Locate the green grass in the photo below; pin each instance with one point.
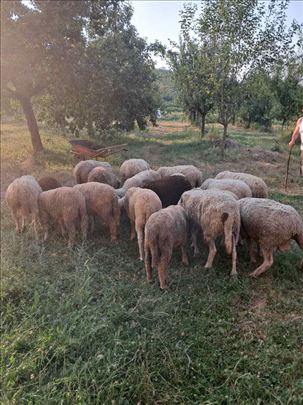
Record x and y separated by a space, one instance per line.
82 326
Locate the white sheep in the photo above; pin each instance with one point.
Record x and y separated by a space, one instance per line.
83 168
217 213
102 201
257 185
270 224
138 180
192 173
22 199
140 204
103 175
66 206
165 230
131 167
237 187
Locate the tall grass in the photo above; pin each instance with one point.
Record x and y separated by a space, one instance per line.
81 325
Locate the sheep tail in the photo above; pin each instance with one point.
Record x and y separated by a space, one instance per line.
228 223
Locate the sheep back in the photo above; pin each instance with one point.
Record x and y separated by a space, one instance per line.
169 188
131 167
139 180
83 168
192 173
270 223
238 187
49 183
103 175
257 185
22 195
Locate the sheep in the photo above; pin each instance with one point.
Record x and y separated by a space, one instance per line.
237 187
103 175
102 201
217 213
139 205
169 189
270 224
138 180
164 230
48 183
22 199
66 206
131 167
192 174
82 169
258 187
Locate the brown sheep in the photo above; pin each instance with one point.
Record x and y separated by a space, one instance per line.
270 224
139 204
164 230
102 202
49 183
217 213
66 206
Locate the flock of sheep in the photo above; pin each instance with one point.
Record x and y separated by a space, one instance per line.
167 208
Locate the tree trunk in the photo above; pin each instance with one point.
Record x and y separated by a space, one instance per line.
203 116
224 140
31 123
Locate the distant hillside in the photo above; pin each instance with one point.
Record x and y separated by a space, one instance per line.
167 91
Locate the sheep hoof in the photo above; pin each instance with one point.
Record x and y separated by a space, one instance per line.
207 266
253 274
141 259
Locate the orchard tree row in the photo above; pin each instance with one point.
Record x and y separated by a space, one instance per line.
238 58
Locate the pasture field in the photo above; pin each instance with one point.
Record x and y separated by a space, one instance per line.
81 325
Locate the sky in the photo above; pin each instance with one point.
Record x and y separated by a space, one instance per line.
159 20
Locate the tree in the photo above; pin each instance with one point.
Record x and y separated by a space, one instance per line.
39 45
238 36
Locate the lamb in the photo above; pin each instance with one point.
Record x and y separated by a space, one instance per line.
22 199
131 167
237 187
217 213
66 206
83 168
192 174
270 224
139 180
164 230
258 187
102 201
139 205
169 189
103 175
49 183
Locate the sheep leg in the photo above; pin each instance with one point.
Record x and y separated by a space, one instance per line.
36 223
71 233
132 230
147 262
184 255
16 220
22 224
268 261
211 254
162 270
140 235
112 229
234 258
251 251
195 244
46 233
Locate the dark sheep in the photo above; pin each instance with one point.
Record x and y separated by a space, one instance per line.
49 183
169 189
